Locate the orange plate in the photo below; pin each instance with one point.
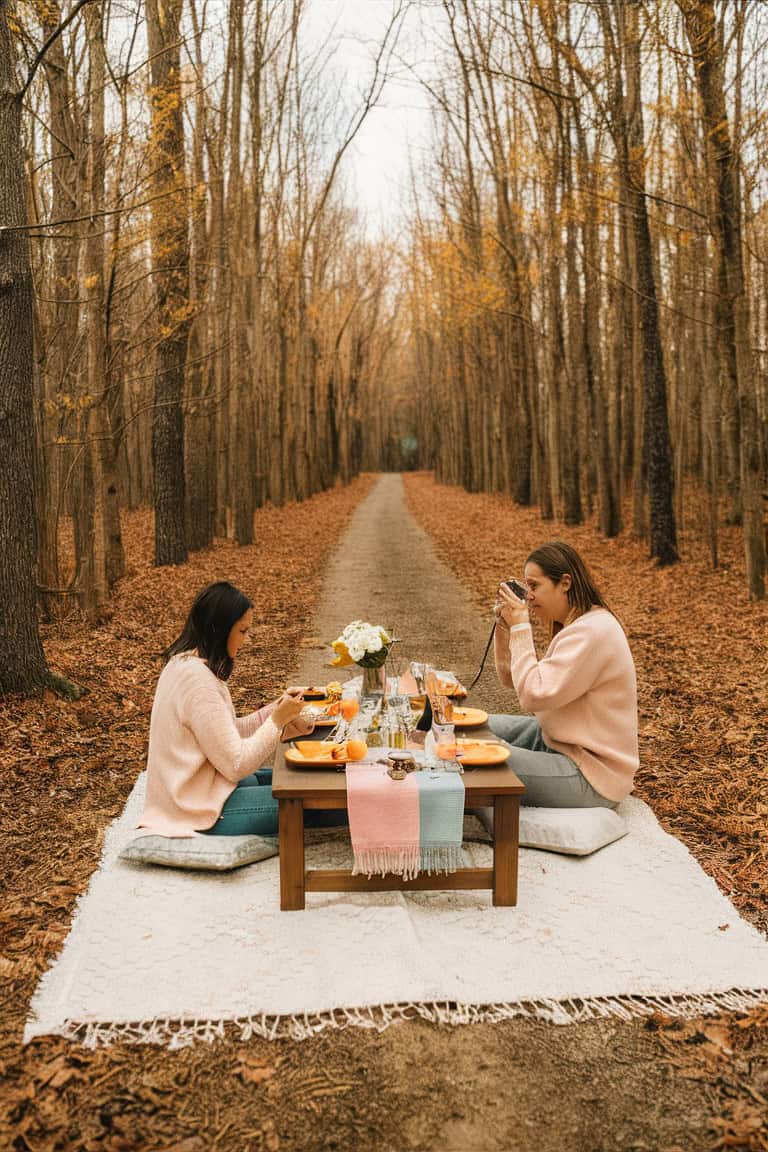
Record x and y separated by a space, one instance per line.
473 754
314 754
469 717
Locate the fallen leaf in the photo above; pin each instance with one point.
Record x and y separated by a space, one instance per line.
255 1075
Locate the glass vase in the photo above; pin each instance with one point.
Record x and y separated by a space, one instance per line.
374 681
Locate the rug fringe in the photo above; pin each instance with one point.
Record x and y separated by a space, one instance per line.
181 1033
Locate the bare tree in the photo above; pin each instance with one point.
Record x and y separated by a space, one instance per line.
170 245
706 40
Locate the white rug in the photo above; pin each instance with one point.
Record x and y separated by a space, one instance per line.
160 956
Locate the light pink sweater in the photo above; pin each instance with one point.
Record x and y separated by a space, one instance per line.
584 695
198 748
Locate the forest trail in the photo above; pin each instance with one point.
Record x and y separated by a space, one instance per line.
385 570
517 1086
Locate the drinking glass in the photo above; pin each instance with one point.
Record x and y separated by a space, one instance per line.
445 741
350 706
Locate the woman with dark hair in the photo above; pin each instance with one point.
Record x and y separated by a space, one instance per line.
578 749
202 761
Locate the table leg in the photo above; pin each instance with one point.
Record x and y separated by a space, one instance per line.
291 826
506 830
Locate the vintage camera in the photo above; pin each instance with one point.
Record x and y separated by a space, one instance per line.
517 588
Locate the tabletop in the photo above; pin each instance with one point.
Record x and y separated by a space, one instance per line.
331 784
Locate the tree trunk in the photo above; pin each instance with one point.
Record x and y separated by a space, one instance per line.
171 279
59 364
733 306
22 662
89 508
663 534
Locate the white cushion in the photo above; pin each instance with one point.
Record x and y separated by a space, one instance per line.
573 831
199 852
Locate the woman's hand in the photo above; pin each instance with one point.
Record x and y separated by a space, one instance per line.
508 609
295 729
288 707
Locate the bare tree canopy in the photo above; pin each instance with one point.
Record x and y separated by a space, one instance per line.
574 311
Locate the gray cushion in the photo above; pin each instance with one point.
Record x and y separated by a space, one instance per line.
199 852
573 831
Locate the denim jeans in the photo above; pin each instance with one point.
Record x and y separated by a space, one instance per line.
252 809
551 779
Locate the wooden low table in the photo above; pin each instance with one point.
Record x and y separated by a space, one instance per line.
297 789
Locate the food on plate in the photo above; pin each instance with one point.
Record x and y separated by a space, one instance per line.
451 688
313 692
469 717
332 752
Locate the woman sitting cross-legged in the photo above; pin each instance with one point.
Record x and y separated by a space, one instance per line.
578 749
204 769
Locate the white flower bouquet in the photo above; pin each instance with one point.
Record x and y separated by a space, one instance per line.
364 644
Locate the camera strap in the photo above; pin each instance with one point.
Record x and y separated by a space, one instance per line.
485 657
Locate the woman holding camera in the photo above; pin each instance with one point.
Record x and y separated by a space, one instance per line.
578 749
202 763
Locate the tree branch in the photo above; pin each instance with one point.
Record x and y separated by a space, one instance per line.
53 37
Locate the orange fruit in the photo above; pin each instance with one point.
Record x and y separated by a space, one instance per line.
356 749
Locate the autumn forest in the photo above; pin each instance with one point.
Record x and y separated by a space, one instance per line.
195 317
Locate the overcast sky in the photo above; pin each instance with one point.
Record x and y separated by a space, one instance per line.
376 165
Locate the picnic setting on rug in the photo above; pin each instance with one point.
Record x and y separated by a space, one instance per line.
373 871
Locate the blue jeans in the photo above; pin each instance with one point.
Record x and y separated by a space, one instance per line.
252 809
551 779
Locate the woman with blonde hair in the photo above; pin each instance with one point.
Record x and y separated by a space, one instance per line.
576 747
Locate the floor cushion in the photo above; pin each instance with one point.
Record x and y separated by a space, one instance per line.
217 853
572 831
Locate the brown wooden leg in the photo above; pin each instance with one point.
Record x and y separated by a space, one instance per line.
290 815
506 832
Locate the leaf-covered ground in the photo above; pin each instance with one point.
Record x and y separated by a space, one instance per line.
68 767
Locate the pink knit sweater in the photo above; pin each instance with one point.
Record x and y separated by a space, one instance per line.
584 694
198 748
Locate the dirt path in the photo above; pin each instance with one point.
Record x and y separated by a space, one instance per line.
385 570
512 1086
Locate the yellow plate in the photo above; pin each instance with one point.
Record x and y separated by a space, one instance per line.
314 754
474 753
469 717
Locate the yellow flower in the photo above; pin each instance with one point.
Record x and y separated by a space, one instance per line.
342 658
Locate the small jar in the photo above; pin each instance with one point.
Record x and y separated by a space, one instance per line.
401 761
